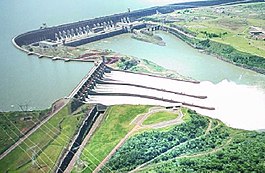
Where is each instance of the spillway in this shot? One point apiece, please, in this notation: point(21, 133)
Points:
point(230, 101)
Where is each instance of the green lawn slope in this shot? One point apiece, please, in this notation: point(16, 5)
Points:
point(223, 31)
point(201, 144)
point(115, 125)
point(160, 117)
point(49, 142)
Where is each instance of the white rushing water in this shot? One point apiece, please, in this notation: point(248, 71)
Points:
point(39, 82)
point(239, 106)
point(237, 94)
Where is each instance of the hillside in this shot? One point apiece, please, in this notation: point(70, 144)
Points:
point(201, 144)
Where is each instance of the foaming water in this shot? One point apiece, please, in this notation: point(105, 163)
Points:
point(239, 101)
point(237, 94)
point(239, 106)
point(179, 56)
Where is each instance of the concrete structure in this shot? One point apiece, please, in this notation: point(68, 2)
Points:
point(82, 91)
point(81, 28)
point(86, 126)
point(88, 89)
point(47, 44)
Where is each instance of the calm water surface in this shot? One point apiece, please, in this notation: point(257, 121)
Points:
point(237, 94)
point(39, 82)
point(179, 56)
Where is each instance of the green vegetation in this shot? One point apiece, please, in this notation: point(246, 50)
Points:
point(201, 144)
point(49, 141)
point(224, 31)
point(114, 127)
point(146, 146)
point(148, 36)
point(127, 63)
point(24, 121)
point(160, 117)
point(153, 66)
point(144, 66)
point(232, 55)
point(81, 52)
point(245, 153)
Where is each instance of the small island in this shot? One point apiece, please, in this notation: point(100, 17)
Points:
point(129, 114)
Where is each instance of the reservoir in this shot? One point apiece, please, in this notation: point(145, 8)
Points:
point(39, 82)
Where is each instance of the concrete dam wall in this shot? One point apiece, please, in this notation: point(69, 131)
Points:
point(76, 27)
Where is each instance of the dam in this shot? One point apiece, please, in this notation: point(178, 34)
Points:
point(101, 78)
point(91, 90)
point(82, 32)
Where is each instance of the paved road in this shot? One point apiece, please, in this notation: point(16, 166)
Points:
point(55, 110)
point(163, 124)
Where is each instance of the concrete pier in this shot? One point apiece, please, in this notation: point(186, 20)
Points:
point(81, 91)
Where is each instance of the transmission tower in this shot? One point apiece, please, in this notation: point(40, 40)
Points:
point(33, 155)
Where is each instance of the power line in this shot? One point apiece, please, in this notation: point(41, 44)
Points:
point(75, 143)
point(57, 140)
point(34, 153)
point(30, 141)
point(22, 148)
point(24, 110)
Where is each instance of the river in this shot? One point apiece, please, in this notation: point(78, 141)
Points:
point(179, 56)
point(237, 94)
point(38, 83)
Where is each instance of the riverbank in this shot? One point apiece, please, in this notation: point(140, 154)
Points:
point(133, 64)
point(232, 33)
point(224, 52)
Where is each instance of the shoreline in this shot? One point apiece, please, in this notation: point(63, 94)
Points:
point(179, 35)
point(147, 74)
point(207, 52)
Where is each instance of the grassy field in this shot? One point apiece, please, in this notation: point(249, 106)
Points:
point(160, 117)
point(144, 66)
point(225, 24)
point(49, 141)
point(24, 121)
point(229, 25)
point(150, 144)
point(224, 32)
point(115, 126)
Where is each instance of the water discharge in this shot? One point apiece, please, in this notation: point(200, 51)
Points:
point(241, 93)
point(237, 94)
point(29, 80)
point(239, 106)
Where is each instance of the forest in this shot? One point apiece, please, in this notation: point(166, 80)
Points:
point(201, 144)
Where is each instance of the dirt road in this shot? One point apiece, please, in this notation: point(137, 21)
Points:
point(138, 121)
